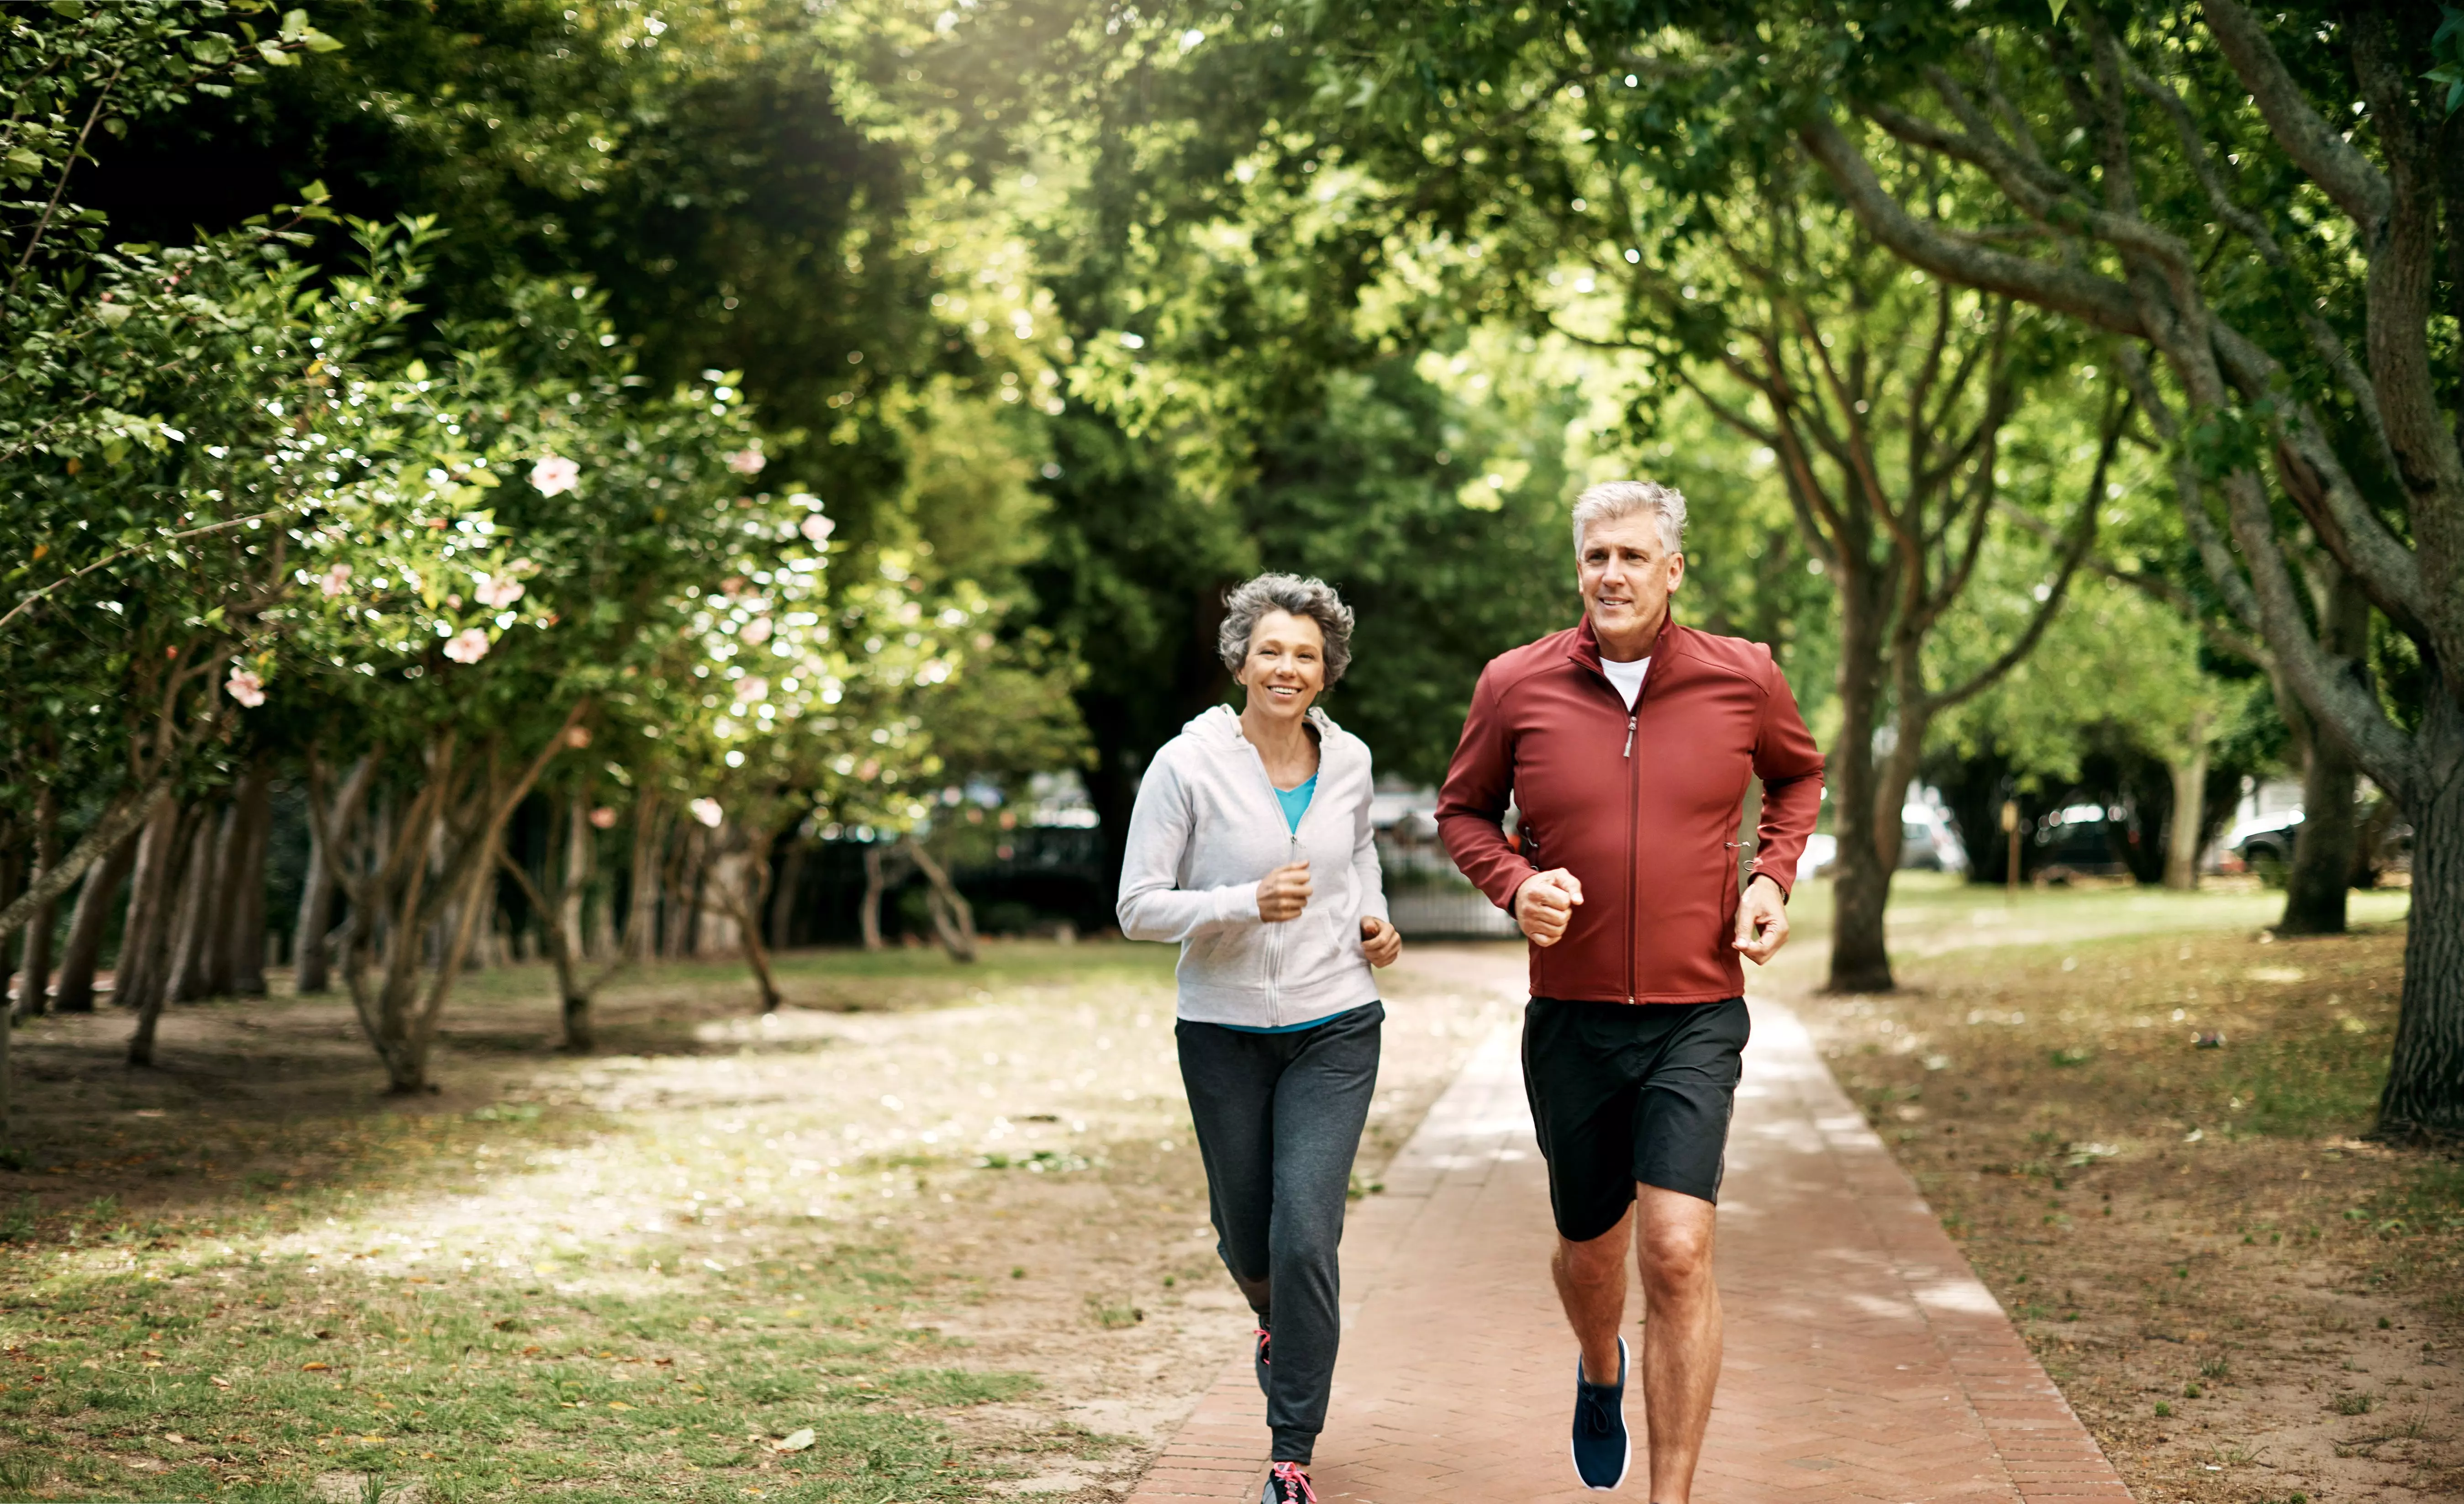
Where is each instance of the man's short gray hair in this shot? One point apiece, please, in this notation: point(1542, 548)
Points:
point(1250, 601)
point(1613, 499)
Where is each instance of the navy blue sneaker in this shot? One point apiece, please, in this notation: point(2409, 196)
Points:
point(1602, 1450)
point(1288, 1484)
point(1264, 1338)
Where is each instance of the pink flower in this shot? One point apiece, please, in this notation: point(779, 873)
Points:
point(555, 474)
point(246, 687)
point(603, 818)
point(708, 813)
point(818, 528)
point(752, 690)
point(755, 633)
point(747, 461)
point(467, 645)
point(497, 591)
point(337, 581)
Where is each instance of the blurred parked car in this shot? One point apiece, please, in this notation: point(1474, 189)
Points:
point(1928, 843)
point(2264, 841)
point(2077, 841)
point(1822, 853)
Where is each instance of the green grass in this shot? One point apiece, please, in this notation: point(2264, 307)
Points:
point(258, 1372)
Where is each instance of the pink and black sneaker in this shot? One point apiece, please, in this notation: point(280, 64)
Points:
point(1288, 1484)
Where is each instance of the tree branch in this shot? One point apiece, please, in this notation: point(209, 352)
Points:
point(2099, 300)
point(2333, 163)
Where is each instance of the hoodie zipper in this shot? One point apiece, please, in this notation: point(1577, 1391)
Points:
point(1291, 852)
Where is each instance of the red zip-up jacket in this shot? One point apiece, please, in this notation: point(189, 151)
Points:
point(1642, 807)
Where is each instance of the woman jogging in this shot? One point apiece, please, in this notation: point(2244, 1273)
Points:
point(1250, 846)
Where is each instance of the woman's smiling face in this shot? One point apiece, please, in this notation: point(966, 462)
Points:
point(1285, 667)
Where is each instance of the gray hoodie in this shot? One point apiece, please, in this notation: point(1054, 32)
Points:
point(1207, 826)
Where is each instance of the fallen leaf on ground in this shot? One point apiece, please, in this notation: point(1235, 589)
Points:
point(794, 1440)
point(309, 1367)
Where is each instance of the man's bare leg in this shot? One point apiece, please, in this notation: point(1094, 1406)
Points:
point(1680, 1334)
point(1590, 1285)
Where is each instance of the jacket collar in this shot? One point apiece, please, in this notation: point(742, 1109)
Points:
point(1585, 648)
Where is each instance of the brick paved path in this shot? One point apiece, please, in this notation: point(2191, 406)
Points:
point(1864, 1360)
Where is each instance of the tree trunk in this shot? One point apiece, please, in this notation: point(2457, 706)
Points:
point(682, 880)
point(244, 922)
point(867, 914)
point(954, 920)
point(73, 992)
point(1860, 957)
point(311, 953)
point(2424, 1088)
point(2182, 832)
point(642, 918)
point(139, 967)
point(2323, 844)
point(311, 969)
point(34, 975)
point(782, 894)
point(190, 836)
point(191, 911)
point(2322, 848)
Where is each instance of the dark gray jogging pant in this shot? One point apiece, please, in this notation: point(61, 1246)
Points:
point(1279, 1119)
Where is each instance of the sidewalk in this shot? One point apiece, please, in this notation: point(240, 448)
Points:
point(1864, 1360)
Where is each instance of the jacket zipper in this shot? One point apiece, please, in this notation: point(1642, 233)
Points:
point(1633, 841)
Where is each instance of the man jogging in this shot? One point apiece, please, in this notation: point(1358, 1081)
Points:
point(1627, 746)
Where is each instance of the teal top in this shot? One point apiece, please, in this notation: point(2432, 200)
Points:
point(1296, 801)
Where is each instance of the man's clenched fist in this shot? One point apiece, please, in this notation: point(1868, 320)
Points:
point(1762, 921)
point(1545, 904)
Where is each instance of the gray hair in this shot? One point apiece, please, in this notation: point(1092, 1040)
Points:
point(1613, 499)
point(1250, 601)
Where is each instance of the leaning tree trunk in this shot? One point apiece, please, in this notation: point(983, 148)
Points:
point(83, 954)
point(34, 975)
point(1860, 957)
point(2425, 1089)
point(560, 918)
point(953, 920)
point(740, 881)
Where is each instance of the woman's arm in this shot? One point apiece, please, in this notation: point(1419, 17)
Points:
point(1378, 941)
point(1151, 905)
point(1367, 877)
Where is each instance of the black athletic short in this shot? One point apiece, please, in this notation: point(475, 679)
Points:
point(1627, 1092)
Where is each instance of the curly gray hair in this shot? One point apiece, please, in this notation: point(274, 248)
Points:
point(1613, 499)
point(1250, 601)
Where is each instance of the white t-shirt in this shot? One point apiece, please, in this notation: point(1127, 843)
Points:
point(1626, 676)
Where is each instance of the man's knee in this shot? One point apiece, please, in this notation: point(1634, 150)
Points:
point(1675, 1246)
point(1594, 1260)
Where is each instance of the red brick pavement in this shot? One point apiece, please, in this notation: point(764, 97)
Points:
point(1864, 1360)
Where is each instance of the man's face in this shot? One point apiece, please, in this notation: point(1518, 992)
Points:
point(1627, 574)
